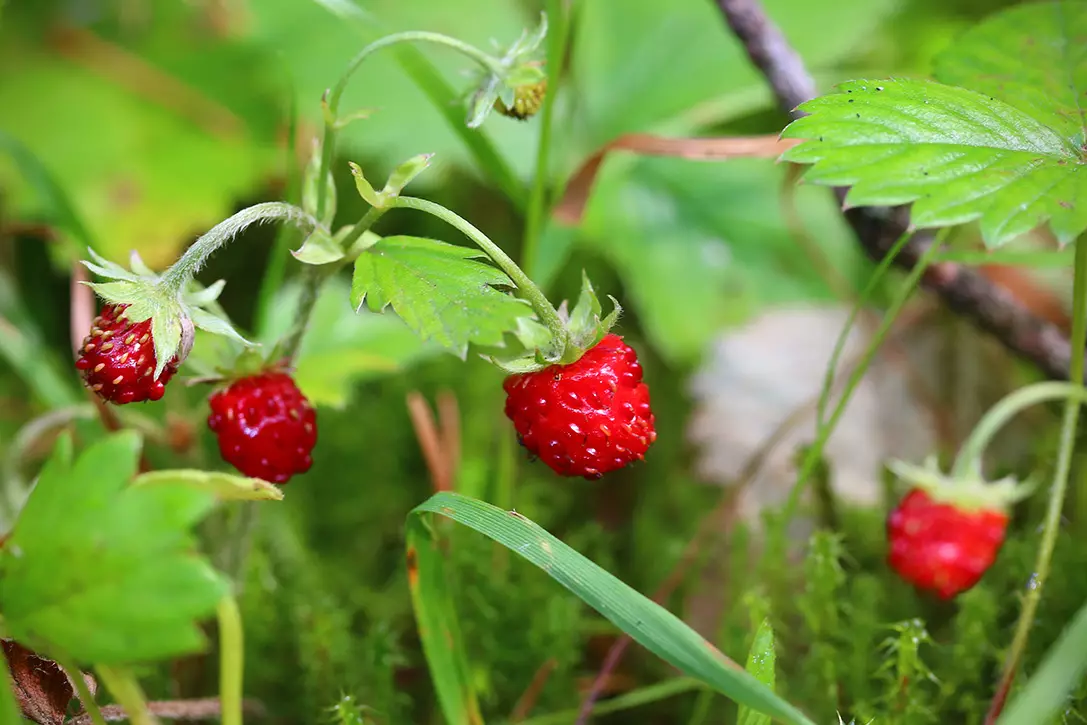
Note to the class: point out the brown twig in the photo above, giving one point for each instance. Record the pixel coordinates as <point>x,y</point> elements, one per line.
<point>965,291</point>
<point>528,698</point>
<point>440,442</point>
<point>207,708</point>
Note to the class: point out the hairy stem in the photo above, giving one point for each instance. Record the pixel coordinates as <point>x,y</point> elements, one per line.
<point>1051,526</point>
<point>314,279</point>
<point>537,201</point>
<point>525,286</point>
<point>231,662</point>
<point>222,233</point>
<point>333,96</point>
<point>123,686</point>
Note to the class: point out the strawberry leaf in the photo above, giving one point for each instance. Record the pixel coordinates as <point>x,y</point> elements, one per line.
<point>101,571</point>
<point>958,155</point>
<point>1010,153</point>
<point>439,290</point>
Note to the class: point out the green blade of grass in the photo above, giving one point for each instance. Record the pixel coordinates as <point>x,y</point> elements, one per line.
<point>1047,692</point>
<point>760,663</point>
<point>649,624</point>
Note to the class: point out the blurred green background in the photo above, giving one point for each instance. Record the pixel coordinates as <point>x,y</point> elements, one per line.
<point>155,119</point>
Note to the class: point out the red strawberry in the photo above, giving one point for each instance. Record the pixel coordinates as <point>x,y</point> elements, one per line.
<point>117,359</point>
<point>266,427</point>
<point>586,418</point>
<point>941,547</point>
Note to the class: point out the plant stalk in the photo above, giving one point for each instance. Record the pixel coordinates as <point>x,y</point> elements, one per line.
<point>527,288</point>
<point>126,690</point>
<point>333,96</point>
<point>538,201</point>
<point>183,270</point>
<point>1051,525</point>
<point>231,661</point>
<point>90,705</point>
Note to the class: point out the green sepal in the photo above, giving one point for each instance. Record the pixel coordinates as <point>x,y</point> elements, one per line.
<point>970,493</point>
<point>528,74</point>
<point>216,325</point>
<point>200,297</point>
<point>366,191</point>
<point>482,100</point>
<point>318,248</point>
<point>585,325</point>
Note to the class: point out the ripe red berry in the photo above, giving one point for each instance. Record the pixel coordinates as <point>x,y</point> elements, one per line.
<point>941,547</point>
<point>118,361</point>
<point>265,426</point>
<point>586,418</point>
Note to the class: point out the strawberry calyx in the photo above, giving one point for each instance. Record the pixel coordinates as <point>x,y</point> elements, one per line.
<point>173,312</point>
<point>969,492</point>
<point>580,331</point>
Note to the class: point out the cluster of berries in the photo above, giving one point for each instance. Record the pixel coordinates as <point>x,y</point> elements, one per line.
<point>586,418</point>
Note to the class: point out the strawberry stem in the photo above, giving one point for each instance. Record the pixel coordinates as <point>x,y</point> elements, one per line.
<point>1052,522</point>
<point>969,460</point>
<point>126,690</point>
<point>230,661</point>
<point>333,96</point>
<point>178,276</point>
<point>525,286</point>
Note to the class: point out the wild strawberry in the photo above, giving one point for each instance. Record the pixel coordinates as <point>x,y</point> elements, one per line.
<point>586,418</point>
<point>265,426</point>
<point>527,100</point>
<point>118,361</point>
<point>942,546</point>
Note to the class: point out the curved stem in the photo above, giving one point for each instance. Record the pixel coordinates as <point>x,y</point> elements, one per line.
<point>123,686</point>
<point>968,461</point>
<point>815,452</point>
<point>231,661</point>
<point>1051,525</point>
<point>219,235</point>
<point>528,289</point>
<point>328,143</point>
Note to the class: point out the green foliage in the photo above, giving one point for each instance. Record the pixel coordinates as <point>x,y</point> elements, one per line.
<point>1008,154</point>
<point>760,663</point>
<point>652,626</point>
<point>102,571</point>
<point>438,290</point>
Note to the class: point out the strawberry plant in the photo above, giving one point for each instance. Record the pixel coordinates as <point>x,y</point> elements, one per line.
<point>155,565</point>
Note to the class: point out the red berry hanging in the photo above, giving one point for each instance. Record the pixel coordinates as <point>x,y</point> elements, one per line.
<point>265,426</point>
<point>940,546</point>
<point>117,359</point>
<point>586,418</point>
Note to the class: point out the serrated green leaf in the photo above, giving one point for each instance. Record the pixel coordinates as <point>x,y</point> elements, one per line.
<point>318,248</point>
<point>958,155</point>
<point>760,663</point>
<point>224,486</point>
<point>101,571</point>
<point>1031,57</point>
<point>439,290</point>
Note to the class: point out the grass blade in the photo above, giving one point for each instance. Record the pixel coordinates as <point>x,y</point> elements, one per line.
<point>649,624</point>
<point>1061,671</point>
<point>760,663</point>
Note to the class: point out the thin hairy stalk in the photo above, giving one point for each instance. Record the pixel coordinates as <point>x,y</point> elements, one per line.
<point>222,233</point>
<point>333,96</point>
<point>537,201</point>
<point>1052,523</point>
<point>815,452</point>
